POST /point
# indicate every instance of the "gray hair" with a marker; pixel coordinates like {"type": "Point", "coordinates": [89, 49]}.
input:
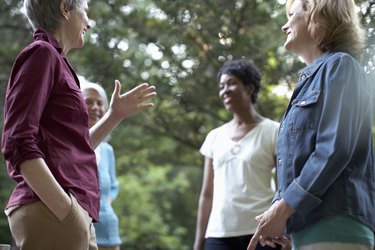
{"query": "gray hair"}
{"type": "Point", "coordinates": [86, 85]}
{"type": "Point", "coordinates": [46, 14]}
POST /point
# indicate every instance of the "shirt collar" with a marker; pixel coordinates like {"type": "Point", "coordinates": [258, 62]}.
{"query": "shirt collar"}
{"type": "Point", "coordinates": [310, 69]}
{"type": "Point", "coordinates": [42, 35]}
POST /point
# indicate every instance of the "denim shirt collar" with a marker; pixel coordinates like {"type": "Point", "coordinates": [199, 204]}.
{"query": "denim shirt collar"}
{"type": "Point", "coordinates": [309, 70]}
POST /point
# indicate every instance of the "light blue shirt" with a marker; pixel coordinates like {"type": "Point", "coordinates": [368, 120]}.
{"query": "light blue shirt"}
{"type": "Point", "coordinates": [325, 160]}
{"type": "Point", "coordinates": [107, 232]}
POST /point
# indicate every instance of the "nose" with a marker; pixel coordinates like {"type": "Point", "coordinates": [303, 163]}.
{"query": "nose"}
{"type": "Point", "coordinates": [94, 106]}
{"type": "Point", "coordinates": [284, 28]}
{"type": "Point", "coordinates": [224, 90]}
{"type": "Point", "coordinates": [88, 24]}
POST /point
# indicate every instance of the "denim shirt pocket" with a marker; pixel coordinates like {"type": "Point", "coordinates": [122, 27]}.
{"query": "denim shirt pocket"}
{"type": "Point", "coordinates": [304, 112]}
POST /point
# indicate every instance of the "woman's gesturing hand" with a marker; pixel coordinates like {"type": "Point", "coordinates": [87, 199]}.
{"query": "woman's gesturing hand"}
{"type": "Point", "coordinates": [132, 101]}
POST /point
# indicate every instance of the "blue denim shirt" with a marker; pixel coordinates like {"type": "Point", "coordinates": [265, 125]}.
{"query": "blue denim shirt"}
{"type": "Point", "coordinates": [325, 160]}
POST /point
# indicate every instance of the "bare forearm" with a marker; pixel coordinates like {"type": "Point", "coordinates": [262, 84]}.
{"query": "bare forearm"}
{"type": "Point", "coordinates": [102, 129]}
{"type": "Point", "coordinates": [205, 206]}
{"type": "Point", "coordinates": [38, 176]}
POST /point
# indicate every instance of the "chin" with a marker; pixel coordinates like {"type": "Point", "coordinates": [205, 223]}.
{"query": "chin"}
{"type": "Point", "coordinates": [287, 45]}
{"type": "Point", "coordinates": [81, 44]}
{"type": "Point", "coordinates": [229, 108]}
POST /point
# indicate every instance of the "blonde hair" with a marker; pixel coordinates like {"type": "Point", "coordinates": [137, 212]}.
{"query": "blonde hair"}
{"type": "Point", "coordinates": [334, 25]}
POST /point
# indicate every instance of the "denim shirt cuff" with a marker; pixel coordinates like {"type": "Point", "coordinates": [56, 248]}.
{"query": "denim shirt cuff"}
{"type": "Point", "coordinates": [276, 197]}
{"type": "Point", "coordinates": [299, 199]}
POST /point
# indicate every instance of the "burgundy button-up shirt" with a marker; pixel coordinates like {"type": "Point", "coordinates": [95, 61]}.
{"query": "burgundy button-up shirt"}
{"type": "Point", "coordinates": [46, 117]}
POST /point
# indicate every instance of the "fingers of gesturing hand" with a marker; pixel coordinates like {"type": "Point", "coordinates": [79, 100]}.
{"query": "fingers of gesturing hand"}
{"type": "Point", "coordinates": [117, 90]}
{"type": "Point", "coordinates": [132, 101]}
{"type": "Point", "coordinates": [147, 93]}
{"type": "Point", "coordinates": [141, 92]}
{"type": "Point", "coordinates": [136, 95]}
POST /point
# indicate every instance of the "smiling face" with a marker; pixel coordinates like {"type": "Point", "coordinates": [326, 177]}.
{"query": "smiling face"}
{"type": "Point", "coordinates": [75, 26]}
{"type": "Point", "coordinates": [298, 38]}
{"type": "Point", "coordinates": [233, 92]}
{"type": "Point", "coordinates": [95, 105]}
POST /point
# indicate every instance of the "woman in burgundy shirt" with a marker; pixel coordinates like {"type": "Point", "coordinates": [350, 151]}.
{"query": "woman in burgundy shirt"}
{"type": "Point", "coordinates": [46, 141]}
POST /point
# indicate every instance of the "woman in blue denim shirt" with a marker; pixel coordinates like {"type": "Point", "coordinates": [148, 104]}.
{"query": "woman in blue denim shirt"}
{"type": "Point", "coordinates": [325, 164]}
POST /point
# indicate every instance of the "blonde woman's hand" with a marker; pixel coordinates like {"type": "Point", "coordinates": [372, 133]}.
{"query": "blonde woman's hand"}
{"type": "Point", "coordinates": [271, 226]}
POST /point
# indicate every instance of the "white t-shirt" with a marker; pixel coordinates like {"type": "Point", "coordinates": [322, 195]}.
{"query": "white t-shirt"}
{"type": "Point", "coordinates": [242, 178]}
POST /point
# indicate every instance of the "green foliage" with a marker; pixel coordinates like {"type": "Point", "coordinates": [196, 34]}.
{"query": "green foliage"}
{"type": "Point", "coordinates": [178, 46]}
{"type": "Point", "coordinates": [147, 205]}
{"type": "Point", "coordinates": [6, 186]}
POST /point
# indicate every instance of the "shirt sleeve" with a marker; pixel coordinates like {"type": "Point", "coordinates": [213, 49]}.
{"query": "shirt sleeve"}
{"type": "Point", "coordinates": [344, 100]}
{"type": "Point", "coordinates": [274, 139]}
{"type": "Point", "coordinates": [112, 173]}
{"type": "Point", "coordinates": [207, 146]}
{"type": "Point", "coordinates": [28, 92]}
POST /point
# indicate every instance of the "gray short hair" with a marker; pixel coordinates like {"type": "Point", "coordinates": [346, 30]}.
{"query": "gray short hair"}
{"type": "Point", "coordinates": [86, 85]}
{"type": "Point", "coordinates": [45, 14]}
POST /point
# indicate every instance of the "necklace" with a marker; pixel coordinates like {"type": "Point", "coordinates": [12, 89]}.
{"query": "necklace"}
{"type": "Point", "coordinates": [236, 149]}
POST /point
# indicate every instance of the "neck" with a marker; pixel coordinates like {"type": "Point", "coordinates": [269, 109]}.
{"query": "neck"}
{"type": "Point", "coordinates": [309, 55]}
{"type": "Point", "coordinates": [60, 38]}
{"type": "Point", "coordinates": [250, 116]}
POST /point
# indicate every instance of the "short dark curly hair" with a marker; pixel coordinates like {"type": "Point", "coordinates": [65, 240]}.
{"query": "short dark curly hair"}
{"type": "Point", "coordinates": [246, 71]}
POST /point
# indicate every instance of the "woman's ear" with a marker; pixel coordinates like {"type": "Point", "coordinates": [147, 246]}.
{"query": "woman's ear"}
{"type": "Point", "coordinates": [64, 10]}
{"type": "Point", "coordinates": [250, 89]}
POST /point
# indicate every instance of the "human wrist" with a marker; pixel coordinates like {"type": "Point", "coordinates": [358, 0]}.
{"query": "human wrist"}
{"type": "Point", "coordinates": [284, 208]}
{"type": "Point", "coordinates": [62, 206]}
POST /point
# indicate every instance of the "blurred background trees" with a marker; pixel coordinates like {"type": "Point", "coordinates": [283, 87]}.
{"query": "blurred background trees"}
{"type": "Point", "coordinates": [178, 46]}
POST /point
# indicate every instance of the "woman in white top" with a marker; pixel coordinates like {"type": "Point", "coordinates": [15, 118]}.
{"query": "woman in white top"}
{"type": "Point", "coordinates": [239, 162]}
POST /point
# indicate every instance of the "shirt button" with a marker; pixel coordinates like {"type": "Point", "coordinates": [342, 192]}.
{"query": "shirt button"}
{"type": "Point", "coordinates": [279, 161]}
{"type": "Point", "coordinates": [303, 103]}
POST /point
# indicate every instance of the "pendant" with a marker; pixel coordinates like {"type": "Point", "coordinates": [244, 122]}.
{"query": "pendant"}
{"type": "Point", "coordinates": [236, 149]}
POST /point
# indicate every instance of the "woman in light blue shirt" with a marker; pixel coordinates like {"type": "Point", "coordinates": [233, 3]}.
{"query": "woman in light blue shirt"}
{"type": "Point", "coordinates": [107, 233]}
{"type": "Point", "coordinates": [325, 161]}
